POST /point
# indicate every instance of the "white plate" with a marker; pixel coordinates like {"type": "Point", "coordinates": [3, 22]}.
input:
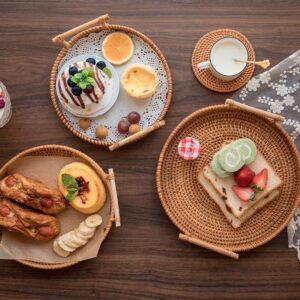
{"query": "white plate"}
{"type": "Point", "coordinates": [111, 91]}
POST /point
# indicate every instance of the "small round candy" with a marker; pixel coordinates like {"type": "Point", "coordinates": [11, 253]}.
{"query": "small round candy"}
{"type": "Point", "coordinates": [101, 132]}
{"type": "Point", "coordinates": [84, 123]}
{"type": "Point", "coordinates": [189, 148]}
{"type": "Point", "coordinates": [134, 128]}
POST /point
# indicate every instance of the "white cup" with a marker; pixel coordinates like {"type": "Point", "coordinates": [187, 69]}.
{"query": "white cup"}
{"type": "Point", "coordinates": [222, 58]}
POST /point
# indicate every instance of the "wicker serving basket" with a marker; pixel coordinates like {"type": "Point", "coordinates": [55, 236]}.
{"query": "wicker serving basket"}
{"type": "Point", "coordinates": [108, 180]}
{"type": "Point", "coordinates": [187, 203]}
{"type": "Point", "coordinates": [84, 30]}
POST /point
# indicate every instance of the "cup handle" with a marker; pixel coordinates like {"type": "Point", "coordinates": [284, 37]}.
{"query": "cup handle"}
{"type": "Point", "coordinates": [204, 65]}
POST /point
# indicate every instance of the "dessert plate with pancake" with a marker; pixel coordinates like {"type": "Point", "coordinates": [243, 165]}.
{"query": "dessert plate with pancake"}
{"type": "Point", "coordinates": [242, 189]}
{"type": "Point", "coordinates": [88, 95]}
{"type": "Point", "coordinates": [96, 97]}
{"type": "Point", "coordinates": [56, 207]}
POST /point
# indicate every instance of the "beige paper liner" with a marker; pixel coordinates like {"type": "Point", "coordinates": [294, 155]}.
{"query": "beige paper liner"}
{"type": "Point", "coordinates": [16, 246]}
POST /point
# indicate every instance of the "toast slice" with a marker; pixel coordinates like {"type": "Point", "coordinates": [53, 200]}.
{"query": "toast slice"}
{"type": "Point", "coordinates": [236, 210]}
{"type": "Point", "coordinates": [222, 203]}
{"type": "Point", "coordinates": [223, 186]}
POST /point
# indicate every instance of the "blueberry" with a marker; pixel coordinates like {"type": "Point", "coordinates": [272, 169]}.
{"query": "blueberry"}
{"type": "Point", "coordinates": [91, 61]}
{"type": "Point", "coordinates": [73, 70]}
{"type": "Point", "coordinates": [71, 83]}
{"type": "Point", "coordinates": [101, 65]}
{"type": "Point", "coordinates": [76, 90]}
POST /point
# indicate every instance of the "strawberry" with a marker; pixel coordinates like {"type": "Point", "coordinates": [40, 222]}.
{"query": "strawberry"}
{"type": "Point", "coordinates": [244, 193]}
{"type": "Point", "coordinates": [244, 176]}
{"type": "Point", "coordinates": [260, 180]}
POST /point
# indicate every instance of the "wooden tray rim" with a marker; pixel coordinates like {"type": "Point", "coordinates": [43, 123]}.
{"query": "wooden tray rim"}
{"type": "Point", "coordinates": [95, 166]}
{"type": "Point", "coordinates": [85, 33]}
{"type": "Point", "coordinates": [186, 121]}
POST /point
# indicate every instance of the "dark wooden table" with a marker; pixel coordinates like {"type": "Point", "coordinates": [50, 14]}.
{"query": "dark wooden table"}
{"type": "Point", "coordinates": [143, 259]}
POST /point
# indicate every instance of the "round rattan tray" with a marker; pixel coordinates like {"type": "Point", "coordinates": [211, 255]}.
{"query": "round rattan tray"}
{"type": "Point", "coordinates": [189, 206]}
{"type": "Point", "coordinates": [201, 53]}
{"type": "Point", "coordinates": [58, 150]}
{"type": "Point", "coordinates": [82, 32]}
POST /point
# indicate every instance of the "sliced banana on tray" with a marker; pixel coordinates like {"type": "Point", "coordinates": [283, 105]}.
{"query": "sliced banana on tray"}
{"type": "Point", "coordinates": [62, 245]}
{"type": "Point", "coordinates": [70, 241]}
{"type": "Point", "coordinates": [93, 221]}
{"type": "Point", "coordinates": [77, 238]}
{"type": "Point", "coordinates": [84, 229]}
{"type": "Point", "coordinates": [85, 236]}
{"type": "Point", "coordinates": [59, 251]}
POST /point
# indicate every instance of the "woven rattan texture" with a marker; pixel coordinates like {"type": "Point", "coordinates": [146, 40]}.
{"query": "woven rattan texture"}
{"type": "Point", "coordinates": [189, 206]}
{"type": "Point", "coordinates": [201, 53]}
{"type": "Point", "coordinates": [57, 150]}
{"type": "Point", "coordinates": [85, 33]}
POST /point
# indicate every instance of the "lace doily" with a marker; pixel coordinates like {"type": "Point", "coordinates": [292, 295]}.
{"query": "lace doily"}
{"type": "Point", "coordinates": [149, 109]}
{"type": "Point", "coordinates": [278, 90]}
{"type": "Point", "coordinates": [293, 231]}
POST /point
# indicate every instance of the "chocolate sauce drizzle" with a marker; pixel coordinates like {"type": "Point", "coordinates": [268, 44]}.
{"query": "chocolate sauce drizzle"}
{"type": "Point", "coordinates": [92, 96]}
{"type": "Point", "coordinates": [99, 83]}
{"type": "Point", "coordinates": [69, 93]}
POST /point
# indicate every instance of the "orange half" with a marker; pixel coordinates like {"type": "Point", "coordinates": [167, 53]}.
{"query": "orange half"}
{"type": "Point", "coordinates": [117, 48]}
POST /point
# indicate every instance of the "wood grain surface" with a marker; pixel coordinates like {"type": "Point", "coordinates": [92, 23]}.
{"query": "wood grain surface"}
{"type": "Point", "coordinates": [143, 259]}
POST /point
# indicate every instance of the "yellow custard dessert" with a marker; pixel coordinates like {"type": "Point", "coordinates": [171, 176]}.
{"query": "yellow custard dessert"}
{"type": "Point", "coordinates": [91, 194]}
{"type": "Point", "coordinates": [140, 81]}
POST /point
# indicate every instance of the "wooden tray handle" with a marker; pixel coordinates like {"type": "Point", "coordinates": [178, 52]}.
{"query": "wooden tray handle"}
{"type": "Point", "coordinates": [61, 38]}
{"type": "Point", "coordinates": [111, 179]}
{"type": "Point", "coordinates": [137, 135]}
{"type": "Point", "coordinates": [257, 111]}
{"type": "Point", "coordinates": [209, 246]}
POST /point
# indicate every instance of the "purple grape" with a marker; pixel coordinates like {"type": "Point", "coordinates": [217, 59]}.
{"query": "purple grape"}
{"type": "Point", "coordinates": [123, 126]}
{"type": "Point", "coordinates": [89, 89]}
{"type": "Point", "coordinates": [134, 117]}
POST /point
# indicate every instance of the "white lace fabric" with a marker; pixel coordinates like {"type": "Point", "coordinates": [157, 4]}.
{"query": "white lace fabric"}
{"type": "Point", "coordinates": [278, 91]}
{"type": "Point", "coordinates": [149, 109]}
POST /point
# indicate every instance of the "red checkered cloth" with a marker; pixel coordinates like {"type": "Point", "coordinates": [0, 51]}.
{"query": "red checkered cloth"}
{"type": "Point", "coordinates": [189, 148]}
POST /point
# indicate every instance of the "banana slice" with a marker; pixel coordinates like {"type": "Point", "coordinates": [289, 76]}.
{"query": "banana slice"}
{"type": "Point", "coordinates": [69, 240]}
{"type": "Point", "coordinates": [86, 236]}
{"type": "Point", "coordinates": [63, 246]}
{"type": "Point", "coordinates": [59, 251]}
{"type": "Point", "coordinates": [76, 240]}
{"type": "Point", "coordinates": [84, 229]}
{"type": "Point", "coordinates": [93, 220]}
{"type": "Point", "coordinates": [79, 237]}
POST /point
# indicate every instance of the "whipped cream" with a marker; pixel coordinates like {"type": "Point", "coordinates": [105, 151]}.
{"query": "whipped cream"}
{"type": "Point", "coordinates": [85, 104]}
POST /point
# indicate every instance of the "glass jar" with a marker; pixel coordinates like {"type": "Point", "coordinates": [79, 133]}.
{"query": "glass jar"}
{"type": "Point", "coordinates": [5, 105]}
